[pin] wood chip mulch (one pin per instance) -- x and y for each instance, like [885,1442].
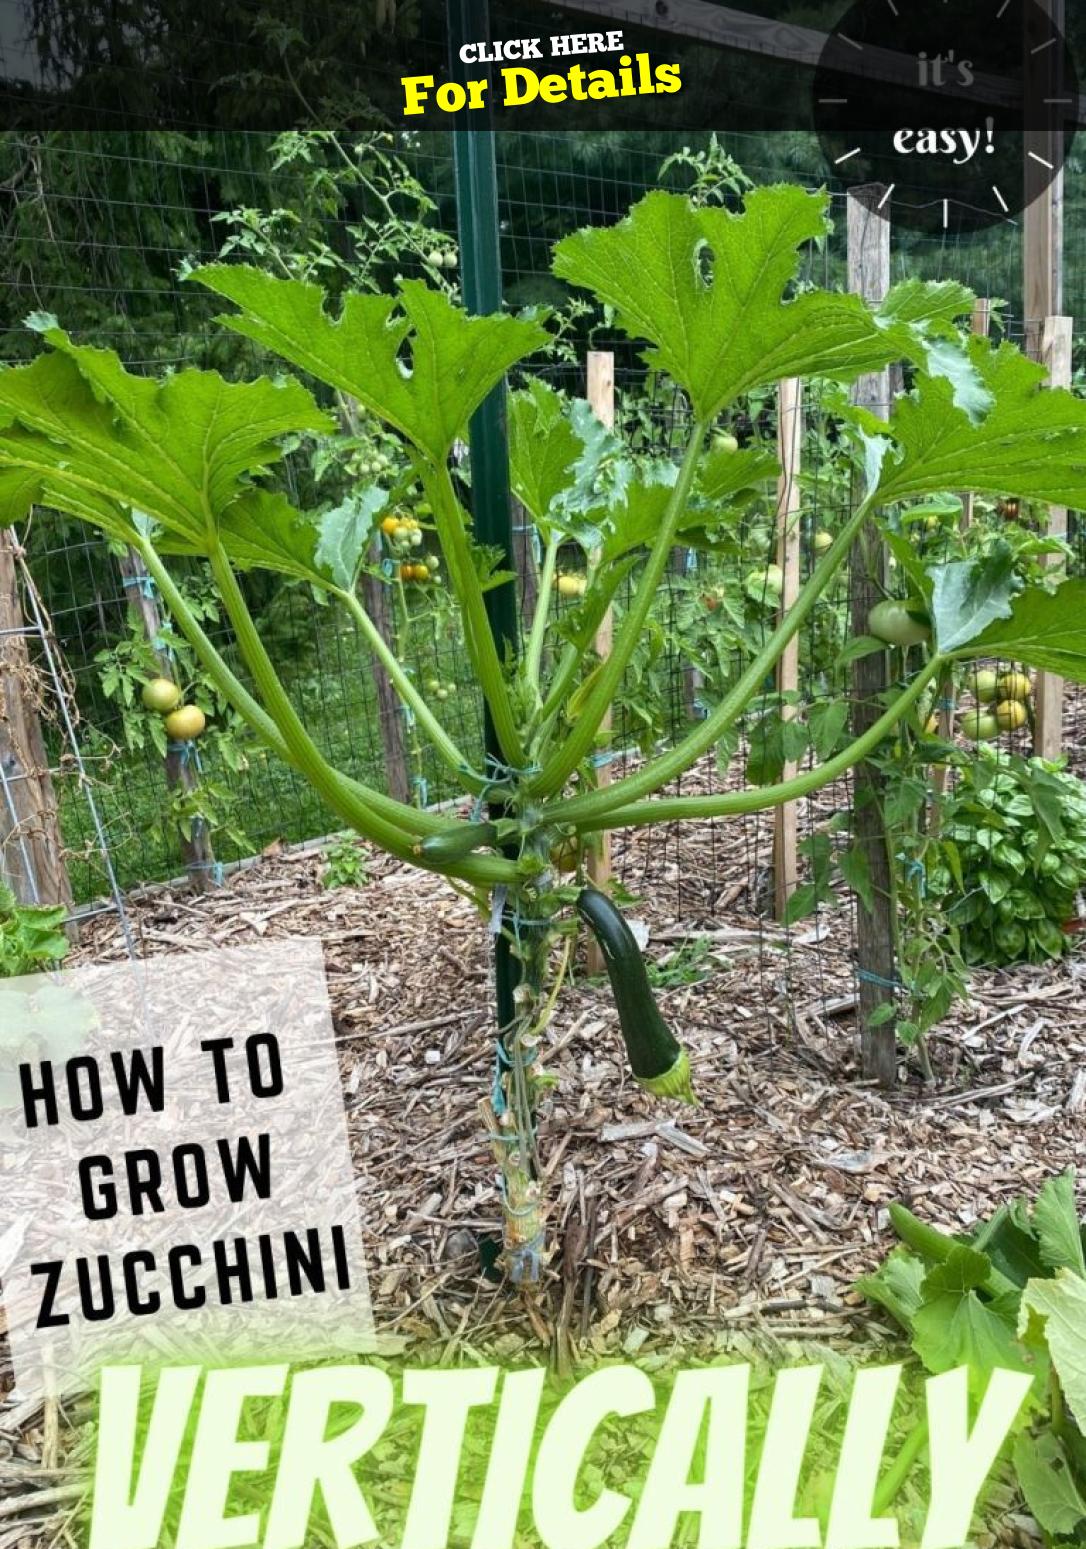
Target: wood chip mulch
[740,1224]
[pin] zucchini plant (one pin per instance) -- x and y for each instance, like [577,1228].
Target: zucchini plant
[183,465]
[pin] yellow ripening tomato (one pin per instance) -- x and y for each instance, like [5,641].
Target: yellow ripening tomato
[1011,714]
[389,526]
[571,585]
[185,723]
[1014,685]
[822,541]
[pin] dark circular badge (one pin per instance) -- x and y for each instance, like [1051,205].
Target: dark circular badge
[951,114]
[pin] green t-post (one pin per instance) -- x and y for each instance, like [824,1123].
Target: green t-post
[481,279]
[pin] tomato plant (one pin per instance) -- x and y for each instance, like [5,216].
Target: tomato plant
[181,465]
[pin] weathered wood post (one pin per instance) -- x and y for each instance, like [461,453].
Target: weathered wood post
[1047,332]
[31,848]
[1055,355]
[869,277]
[789,445]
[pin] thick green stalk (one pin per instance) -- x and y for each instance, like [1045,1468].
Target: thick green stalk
[407,690]
[595,804]
[478,637]
[890,1485]
[534,656]
[607,584]
[365,810]
[582,736]
[670,809]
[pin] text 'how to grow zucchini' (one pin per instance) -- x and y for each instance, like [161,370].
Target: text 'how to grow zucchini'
[657,1058]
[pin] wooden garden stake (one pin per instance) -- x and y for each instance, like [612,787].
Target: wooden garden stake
[1055,354]
[789,444]
[1048,333]
[196,850]
[601,396]
[31,850]
[869,277]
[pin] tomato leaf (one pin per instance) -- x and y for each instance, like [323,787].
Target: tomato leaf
[709,290]
[414,359]
[968,595]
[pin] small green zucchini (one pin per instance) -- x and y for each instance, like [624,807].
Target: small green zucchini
[658,1060]
[456,844]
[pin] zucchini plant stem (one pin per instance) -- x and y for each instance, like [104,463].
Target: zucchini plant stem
[378,818]
[407,690]
[589,808]
[668,809]
[582,737]
[534,655]
[478,637]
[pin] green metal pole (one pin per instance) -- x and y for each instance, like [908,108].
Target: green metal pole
[476,182]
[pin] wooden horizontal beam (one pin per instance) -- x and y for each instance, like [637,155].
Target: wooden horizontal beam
[726,27]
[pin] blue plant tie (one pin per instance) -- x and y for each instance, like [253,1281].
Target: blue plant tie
[916,872]
[497,909]
[141,579]
[388,567]
[950,705]
[419,782]
[873,978]
[216,869]
[186,751]
[601,760]
[526,1261]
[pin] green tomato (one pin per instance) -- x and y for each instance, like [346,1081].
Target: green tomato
[161,695]
[724,441]
[765,583]
[985,685]
[978,726]
[898,623]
